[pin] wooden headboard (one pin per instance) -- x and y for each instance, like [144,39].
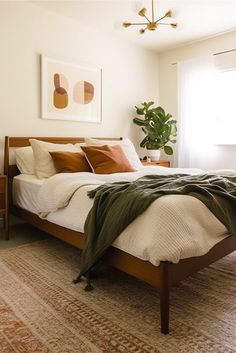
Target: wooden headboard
[14,142]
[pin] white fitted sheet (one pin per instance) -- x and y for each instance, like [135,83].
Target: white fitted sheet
[172,228]
[25,191]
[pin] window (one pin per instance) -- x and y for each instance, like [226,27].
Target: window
[206,111]
[226,108]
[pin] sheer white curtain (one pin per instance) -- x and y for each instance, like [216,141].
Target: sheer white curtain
[197,97]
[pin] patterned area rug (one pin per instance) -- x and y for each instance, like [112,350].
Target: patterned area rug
[42,311]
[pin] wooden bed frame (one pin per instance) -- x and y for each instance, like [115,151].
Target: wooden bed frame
[162,277]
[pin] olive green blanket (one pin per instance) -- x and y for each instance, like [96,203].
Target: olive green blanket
[116,205]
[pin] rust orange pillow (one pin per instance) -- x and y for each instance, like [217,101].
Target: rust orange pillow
[70,162]
[107,159]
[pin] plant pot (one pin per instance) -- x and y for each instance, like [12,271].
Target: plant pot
[154,155]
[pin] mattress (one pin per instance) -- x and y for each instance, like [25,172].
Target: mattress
[174,227]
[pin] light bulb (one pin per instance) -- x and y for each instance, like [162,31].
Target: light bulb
[126,24]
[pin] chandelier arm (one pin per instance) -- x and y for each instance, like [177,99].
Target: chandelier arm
[147,19]
[138,24]
[165,24]
[161,18]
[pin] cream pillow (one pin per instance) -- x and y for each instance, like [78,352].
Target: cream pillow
[25,160]
[127,147]
[44,166]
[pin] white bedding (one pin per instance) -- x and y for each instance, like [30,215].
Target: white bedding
[25,191]
[172,228]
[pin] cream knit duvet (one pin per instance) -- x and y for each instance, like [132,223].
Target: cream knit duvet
[172,228]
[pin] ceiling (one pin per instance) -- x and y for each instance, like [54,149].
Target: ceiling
[197,19]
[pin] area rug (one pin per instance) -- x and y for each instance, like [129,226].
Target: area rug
[42,311]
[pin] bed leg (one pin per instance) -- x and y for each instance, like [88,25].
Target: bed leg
[164,298]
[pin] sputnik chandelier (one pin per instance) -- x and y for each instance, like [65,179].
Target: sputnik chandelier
[151,24]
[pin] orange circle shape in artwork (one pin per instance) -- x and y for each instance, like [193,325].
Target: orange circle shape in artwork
[83,92]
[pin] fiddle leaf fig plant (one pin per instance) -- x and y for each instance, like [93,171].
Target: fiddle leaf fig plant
[159,127]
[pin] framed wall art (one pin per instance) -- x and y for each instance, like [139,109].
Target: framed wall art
[70,91]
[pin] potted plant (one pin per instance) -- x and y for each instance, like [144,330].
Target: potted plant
[159,128]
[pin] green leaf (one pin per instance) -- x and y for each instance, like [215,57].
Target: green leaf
[168,117]
[168,150]
[139,122]
[144,142]
[173,129]
[147,105]
[170,122]
[160,110]
[139,111]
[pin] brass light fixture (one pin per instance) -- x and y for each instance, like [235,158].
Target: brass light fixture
[152,24]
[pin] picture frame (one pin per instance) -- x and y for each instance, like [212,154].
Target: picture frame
[70,91]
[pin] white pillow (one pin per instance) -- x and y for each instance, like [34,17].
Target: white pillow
[126,145]
[44,166]
[222,172]
[25,160]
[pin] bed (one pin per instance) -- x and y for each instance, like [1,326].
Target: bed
[161,275]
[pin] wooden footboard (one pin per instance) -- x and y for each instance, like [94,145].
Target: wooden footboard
[162,277]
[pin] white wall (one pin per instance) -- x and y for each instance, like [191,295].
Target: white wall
[224,156]
[130,74]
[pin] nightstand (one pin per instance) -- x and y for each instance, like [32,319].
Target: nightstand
[162,163]
[4,203]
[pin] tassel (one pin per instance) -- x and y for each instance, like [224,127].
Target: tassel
[89,286]
[77,279]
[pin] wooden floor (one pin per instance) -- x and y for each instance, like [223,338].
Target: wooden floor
[20,233]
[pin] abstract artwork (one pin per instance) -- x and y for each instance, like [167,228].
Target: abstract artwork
[70,91]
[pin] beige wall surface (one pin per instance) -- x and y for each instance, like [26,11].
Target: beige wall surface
[129,73]
[224,156]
